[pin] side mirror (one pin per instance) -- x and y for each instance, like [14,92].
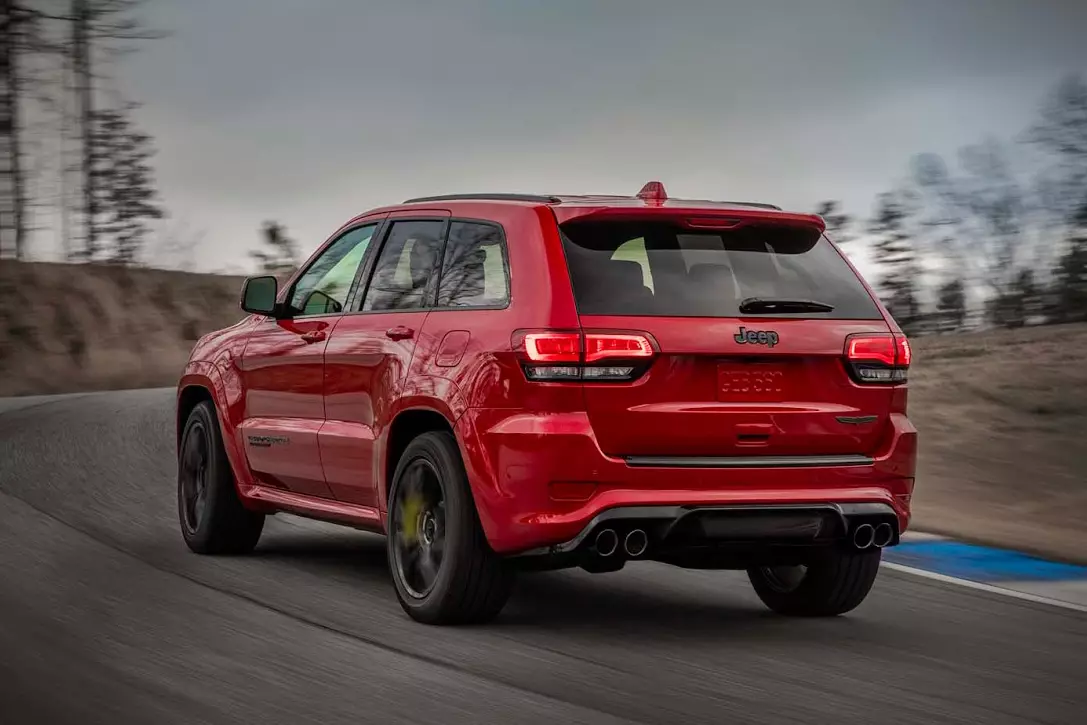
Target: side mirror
[259,295]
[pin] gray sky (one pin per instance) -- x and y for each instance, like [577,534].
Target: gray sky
[310,111]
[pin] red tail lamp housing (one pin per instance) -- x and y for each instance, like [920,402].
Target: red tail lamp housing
[878,359]
[550,356]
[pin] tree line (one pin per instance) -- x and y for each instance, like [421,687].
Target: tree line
[54,57]
[999,239]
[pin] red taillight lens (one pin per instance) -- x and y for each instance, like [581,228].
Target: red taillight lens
[553,347]
[600,346]
[577,357]
[878,358]
[905,355]
[864,348]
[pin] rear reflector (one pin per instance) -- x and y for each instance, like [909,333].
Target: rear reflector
[878,358]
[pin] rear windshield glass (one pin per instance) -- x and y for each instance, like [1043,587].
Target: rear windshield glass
[659,269]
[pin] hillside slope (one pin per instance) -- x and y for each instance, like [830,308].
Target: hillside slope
[1002,414]
[1002,417]
[67,328]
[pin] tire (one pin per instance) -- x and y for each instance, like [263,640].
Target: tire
[221,524]
[469,583]
[833,584]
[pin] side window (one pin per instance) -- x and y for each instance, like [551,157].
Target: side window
[405,267]
[475,270]
[323,287]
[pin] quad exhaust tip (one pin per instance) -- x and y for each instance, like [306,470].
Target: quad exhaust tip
[883,535]
[635,543]
[863,536]
[607,541]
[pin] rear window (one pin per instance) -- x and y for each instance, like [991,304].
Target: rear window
[658,269]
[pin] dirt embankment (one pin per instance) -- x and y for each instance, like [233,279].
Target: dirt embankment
[68,328]
[1002,414]
[1003,450]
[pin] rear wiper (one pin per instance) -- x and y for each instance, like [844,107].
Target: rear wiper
[777,305]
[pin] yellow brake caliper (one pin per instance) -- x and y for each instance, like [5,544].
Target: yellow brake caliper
[410,507]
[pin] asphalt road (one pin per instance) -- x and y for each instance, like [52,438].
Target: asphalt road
[105,617]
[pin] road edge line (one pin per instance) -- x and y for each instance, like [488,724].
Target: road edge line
[981,586]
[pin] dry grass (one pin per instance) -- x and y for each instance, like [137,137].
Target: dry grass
[1002,418]
[66,328]
[1002,414]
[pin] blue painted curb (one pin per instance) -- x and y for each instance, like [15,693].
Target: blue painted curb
[981,563]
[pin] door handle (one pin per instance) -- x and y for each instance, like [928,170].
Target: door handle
[400,333]
[313,336]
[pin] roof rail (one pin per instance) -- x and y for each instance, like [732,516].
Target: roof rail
[488,197]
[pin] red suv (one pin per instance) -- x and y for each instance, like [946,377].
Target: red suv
[504,382]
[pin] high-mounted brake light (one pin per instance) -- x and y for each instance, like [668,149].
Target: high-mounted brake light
[878,358]
[575,357]
[653,192]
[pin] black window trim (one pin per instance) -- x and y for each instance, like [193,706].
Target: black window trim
[431,296]
[379,228]
[432,286]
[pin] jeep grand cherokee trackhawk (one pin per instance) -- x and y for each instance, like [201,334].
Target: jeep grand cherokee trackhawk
[503,383]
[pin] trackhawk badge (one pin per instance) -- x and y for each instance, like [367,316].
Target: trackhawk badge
[268,441]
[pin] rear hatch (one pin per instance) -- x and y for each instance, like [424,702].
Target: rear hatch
[745,365]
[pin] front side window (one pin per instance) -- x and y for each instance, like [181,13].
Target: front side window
[474,271]
[323,287]
[405,267]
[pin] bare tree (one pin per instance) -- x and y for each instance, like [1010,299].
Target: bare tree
[20,35]
[1061,131]
[838,222]
[279,256]
[97,24]
[123,184]
[896,256]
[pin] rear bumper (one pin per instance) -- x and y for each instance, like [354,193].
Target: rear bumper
[541,481]
[737,525]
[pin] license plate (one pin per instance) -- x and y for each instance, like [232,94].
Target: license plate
[744,383]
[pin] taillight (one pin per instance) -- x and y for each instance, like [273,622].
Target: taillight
[599,346]
[583,357]
[553,347]
[878,358]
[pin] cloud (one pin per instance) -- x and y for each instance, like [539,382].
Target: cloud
[310,112]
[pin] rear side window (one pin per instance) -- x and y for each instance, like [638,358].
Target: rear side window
[405,267]
[657,269]
[474,271]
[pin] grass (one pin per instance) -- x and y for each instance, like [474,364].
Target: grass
[1002,418]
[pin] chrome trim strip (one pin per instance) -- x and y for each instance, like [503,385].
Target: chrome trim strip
[747,461]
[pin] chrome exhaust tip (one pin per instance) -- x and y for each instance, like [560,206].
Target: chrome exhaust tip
[635,543]
[863,536]
[883,535]
[607,541]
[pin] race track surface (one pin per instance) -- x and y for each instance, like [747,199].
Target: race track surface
[105,617]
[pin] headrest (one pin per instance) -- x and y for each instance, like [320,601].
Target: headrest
[625,276]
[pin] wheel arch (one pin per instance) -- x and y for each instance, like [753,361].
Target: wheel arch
[188,397]
[201,383]
[408,424]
